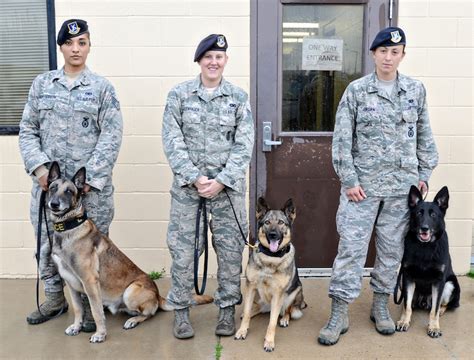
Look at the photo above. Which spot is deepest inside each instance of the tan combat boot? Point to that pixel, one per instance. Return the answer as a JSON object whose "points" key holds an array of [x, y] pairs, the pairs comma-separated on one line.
{"points": [[54, 305], [226, 322], [380, 314], [182, 325], [337, 324], [88, 323]]}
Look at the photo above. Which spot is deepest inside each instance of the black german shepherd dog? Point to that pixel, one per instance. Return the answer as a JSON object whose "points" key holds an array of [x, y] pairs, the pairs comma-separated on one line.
{"points": [[426, 277]]}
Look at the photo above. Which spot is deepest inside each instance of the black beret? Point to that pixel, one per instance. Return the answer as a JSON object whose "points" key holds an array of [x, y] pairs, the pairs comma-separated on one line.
{"points": [[390, 36], [216, 42], [71, 28]]}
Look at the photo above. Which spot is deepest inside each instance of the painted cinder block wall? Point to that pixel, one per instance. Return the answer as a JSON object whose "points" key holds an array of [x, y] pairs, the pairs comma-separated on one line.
{"points": [[146, 47]]}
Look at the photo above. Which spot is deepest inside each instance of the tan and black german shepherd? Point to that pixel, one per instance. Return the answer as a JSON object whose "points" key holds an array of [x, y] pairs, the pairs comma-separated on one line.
{"points": [[272, 279], [90, 263]]}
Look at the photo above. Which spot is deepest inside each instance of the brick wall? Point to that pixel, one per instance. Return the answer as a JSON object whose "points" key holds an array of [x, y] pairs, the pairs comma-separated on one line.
{"points": [[440, 53]]}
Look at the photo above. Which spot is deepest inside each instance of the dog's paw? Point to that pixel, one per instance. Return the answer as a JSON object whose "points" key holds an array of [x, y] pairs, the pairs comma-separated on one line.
{"points": [[268, 346], [284, 322], [402, 326], [130, 324], [241, 334], [97, 338], [434, 332], [73, 330]]}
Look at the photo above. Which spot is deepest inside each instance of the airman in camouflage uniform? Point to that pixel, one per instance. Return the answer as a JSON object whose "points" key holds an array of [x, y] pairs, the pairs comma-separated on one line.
{"points": [[208, 136], [76, 122], [382, 145]]}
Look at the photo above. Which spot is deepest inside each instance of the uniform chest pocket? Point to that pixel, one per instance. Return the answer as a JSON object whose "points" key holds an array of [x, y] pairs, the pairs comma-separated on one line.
{"points": [[410, 116], [227, 127], [45, 108], [409, 119], [368, 124], [191, 117], [86, 117]]}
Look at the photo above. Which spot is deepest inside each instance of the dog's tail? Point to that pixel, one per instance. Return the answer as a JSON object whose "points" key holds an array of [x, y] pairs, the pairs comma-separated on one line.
{"points": [[198, 299], [203, 299]]}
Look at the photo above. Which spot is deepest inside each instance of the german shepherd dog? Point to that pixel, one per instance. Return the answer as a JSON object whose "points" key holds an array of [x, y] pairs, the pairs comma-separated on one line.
{"points": [[90, 262], [426, 275], [271, 275]]}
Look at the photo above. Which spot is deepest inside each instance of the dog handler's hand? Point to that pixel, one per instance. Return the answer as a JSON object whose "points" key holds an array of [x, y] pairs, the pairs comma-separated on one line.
{"points": [[211, 189], [422, 187], [200, 183], [43, 182], [86, 189], [356, 194]]}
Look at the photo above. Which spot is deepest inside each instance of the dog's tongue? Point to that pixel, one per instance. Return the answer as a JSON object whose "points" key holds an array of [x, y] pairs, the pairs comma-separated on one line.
{"points": [[274, 246], [425, 236]]}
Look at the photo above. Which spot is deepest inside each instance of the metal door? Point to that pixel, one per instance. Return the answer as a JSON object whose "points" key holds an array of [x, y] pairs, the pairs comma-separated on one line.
{"points": [[304, 54]]}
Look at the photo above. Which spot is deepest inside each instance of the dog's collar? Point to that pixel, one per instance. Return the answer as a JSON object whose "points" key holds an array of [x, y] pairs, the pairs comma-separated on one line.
{"points": [[279, 253], [70, 224]]}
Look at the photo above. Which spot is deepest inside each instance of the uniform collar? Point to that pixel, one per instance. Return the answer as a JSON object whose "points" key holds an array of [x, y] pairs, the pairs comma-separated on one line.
{"points": [[223, 88], [400, 83], [60, 76]]}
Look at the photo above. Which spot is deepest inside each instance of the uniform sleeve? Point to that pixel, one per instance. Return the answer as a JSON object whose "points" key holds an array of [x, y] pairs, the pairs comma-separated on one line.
{"points": [[29, 136], [100, 164], [426, 148], [344, 128], [174, 146], [241, 151]]}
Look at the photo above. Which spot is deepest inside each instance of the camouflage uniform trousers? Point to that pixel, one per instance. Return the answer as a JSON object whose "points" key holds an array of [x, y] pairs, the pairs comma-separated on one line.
{"points": [[226, 240], [99, 207], [355, 222]]}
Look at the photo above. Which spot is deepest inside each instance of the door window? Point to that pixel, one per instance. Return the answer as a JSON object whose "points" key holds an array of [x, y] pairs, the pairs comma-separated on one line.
{"points": [[322, 52]]}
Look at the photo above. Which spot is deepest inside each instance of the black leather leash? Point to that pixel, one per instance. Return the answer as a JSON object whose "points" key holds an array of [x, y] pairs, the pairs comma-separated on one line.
{"points": [[238, 223], [399, 285], [201, 210], [41, 213]]}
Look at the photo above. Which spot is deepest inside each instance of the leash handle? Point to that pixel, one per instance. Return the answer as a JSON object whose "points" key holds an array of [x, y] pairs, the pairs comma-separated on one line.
{"points": [[201, 210]]}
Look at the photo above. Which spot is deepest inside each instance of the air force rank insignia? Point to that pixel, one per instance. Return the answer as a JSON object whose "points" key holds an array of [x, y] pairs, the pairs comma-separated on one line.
{"points": [[395, 37], [73, 28], [220, 41]]}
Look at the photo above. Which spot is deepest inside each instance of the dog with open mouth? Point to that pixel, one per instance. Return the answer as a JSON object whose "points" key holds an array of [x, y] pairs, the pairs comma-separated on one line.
{"points": [[426, 277], [271, 275]]}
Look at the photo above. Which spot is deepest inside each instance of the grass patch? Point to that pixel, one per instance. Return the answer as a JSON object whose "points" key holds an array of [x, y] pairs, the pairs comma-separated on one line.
{"points": [[218, 349], [471, 273], [155, 275]]}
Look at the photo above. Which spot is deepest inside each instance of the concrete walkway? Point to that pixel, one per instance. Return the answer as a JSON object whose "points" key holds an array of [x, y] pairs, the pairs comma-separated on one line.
{"points": [[154, 340]]}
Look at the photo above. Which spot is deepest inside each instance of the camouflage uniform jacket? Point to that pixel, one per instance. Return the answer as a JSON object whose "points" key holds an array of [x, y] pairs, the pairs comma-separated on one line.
{"points": [[208, 134], [383, 143], [77, 125]]}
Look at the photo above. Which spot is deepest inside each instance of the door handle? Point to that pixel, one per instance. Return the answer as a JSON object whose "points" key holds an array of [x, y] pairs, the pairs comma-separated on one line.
{"points": [[271, 142], [267, 137]]}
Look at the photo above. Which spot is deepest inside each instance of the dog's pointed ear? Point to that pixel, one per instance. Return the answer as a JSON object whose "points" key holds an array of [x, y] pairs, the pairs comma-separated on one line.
{"points": [[442, 198], [262, 208], [79, 179], [289, 210], [414, 197], [54, 172]]}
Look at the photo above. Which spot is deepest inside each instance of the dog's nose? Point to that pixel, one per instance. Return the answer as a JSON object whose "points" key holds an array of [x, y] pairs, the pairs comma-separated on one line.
{"points": [[424, 228], [54, 204], [273, 235]]}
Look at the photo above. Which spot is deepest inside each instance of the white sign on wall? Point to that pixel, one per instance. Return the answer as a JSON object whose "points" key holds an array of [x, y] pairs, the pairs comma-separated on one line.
{"points": [[322, 54]]}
